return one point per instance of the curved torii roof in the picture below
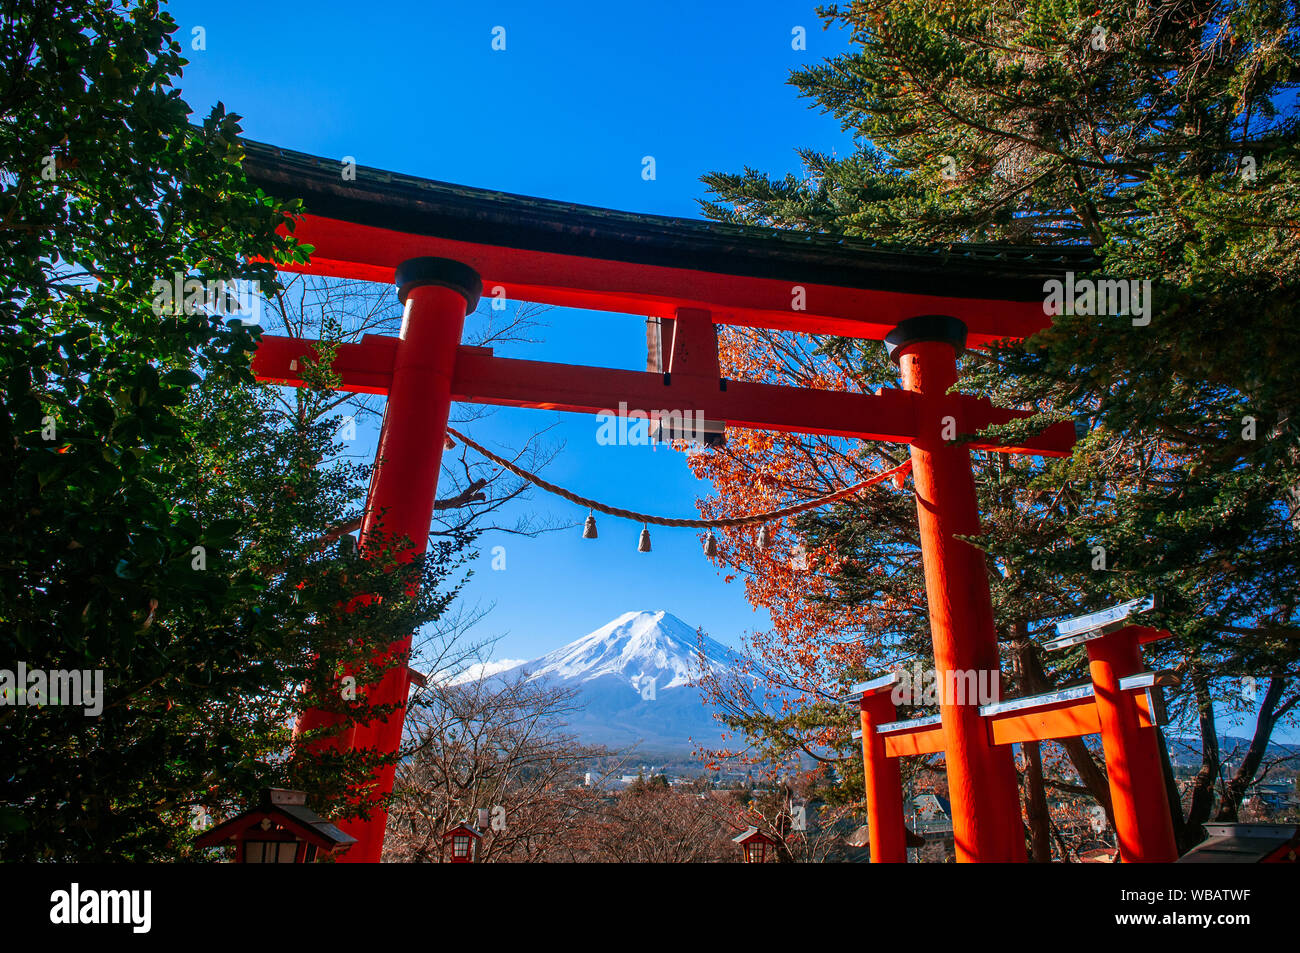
(586, 257)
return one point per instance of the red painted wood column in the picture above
(437, 294)
(883, 781)
(315, 718)
(1143, 826)
(981, 777)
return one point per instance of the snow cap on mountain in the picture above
(636, 681)
(635, 646)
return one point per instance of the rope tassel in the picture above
(710, 545)
(644, 545)
(589, 528)
(764, 537)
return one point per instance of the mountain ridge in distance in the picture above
(633, 680)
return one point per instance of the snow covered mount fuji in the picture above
(634, 676)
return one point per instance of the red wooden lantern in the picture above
(464, 842)
(753, 845)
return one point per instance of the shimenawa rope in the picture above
(750, 520)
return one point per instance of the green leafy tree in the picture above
(159, 522)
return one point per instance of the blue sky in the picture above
(567, 111)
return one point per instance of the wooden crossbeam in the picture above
(481, 377)
(1068, 719)
(365, 367)
(1067, 713)
(1107, 622)
(917, 736)
(885, 682)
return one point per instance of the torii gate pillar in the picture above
(981, 777)
(885, 824)
(1144, 826)
(437, 293)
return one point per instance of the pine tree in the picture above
(159, 523)
(1165, 137)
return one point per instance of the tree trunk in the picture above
(1172, 793)
(1189, 833)
(1090, 773)
(1268, 716)
(1034, 681)
(1036, 813)
(1040, 833)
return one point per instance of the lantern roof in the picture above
(752, 834)
(285, 809)
(464, 827)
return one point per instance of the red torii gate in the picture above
(435, 241)
(1122, 703)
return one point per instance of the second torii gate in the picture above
(1122, 703)
(441, 244)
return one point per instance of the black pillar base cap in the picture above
(926, 327)
(444, 272)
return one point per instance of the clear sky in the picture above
(580, 94)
